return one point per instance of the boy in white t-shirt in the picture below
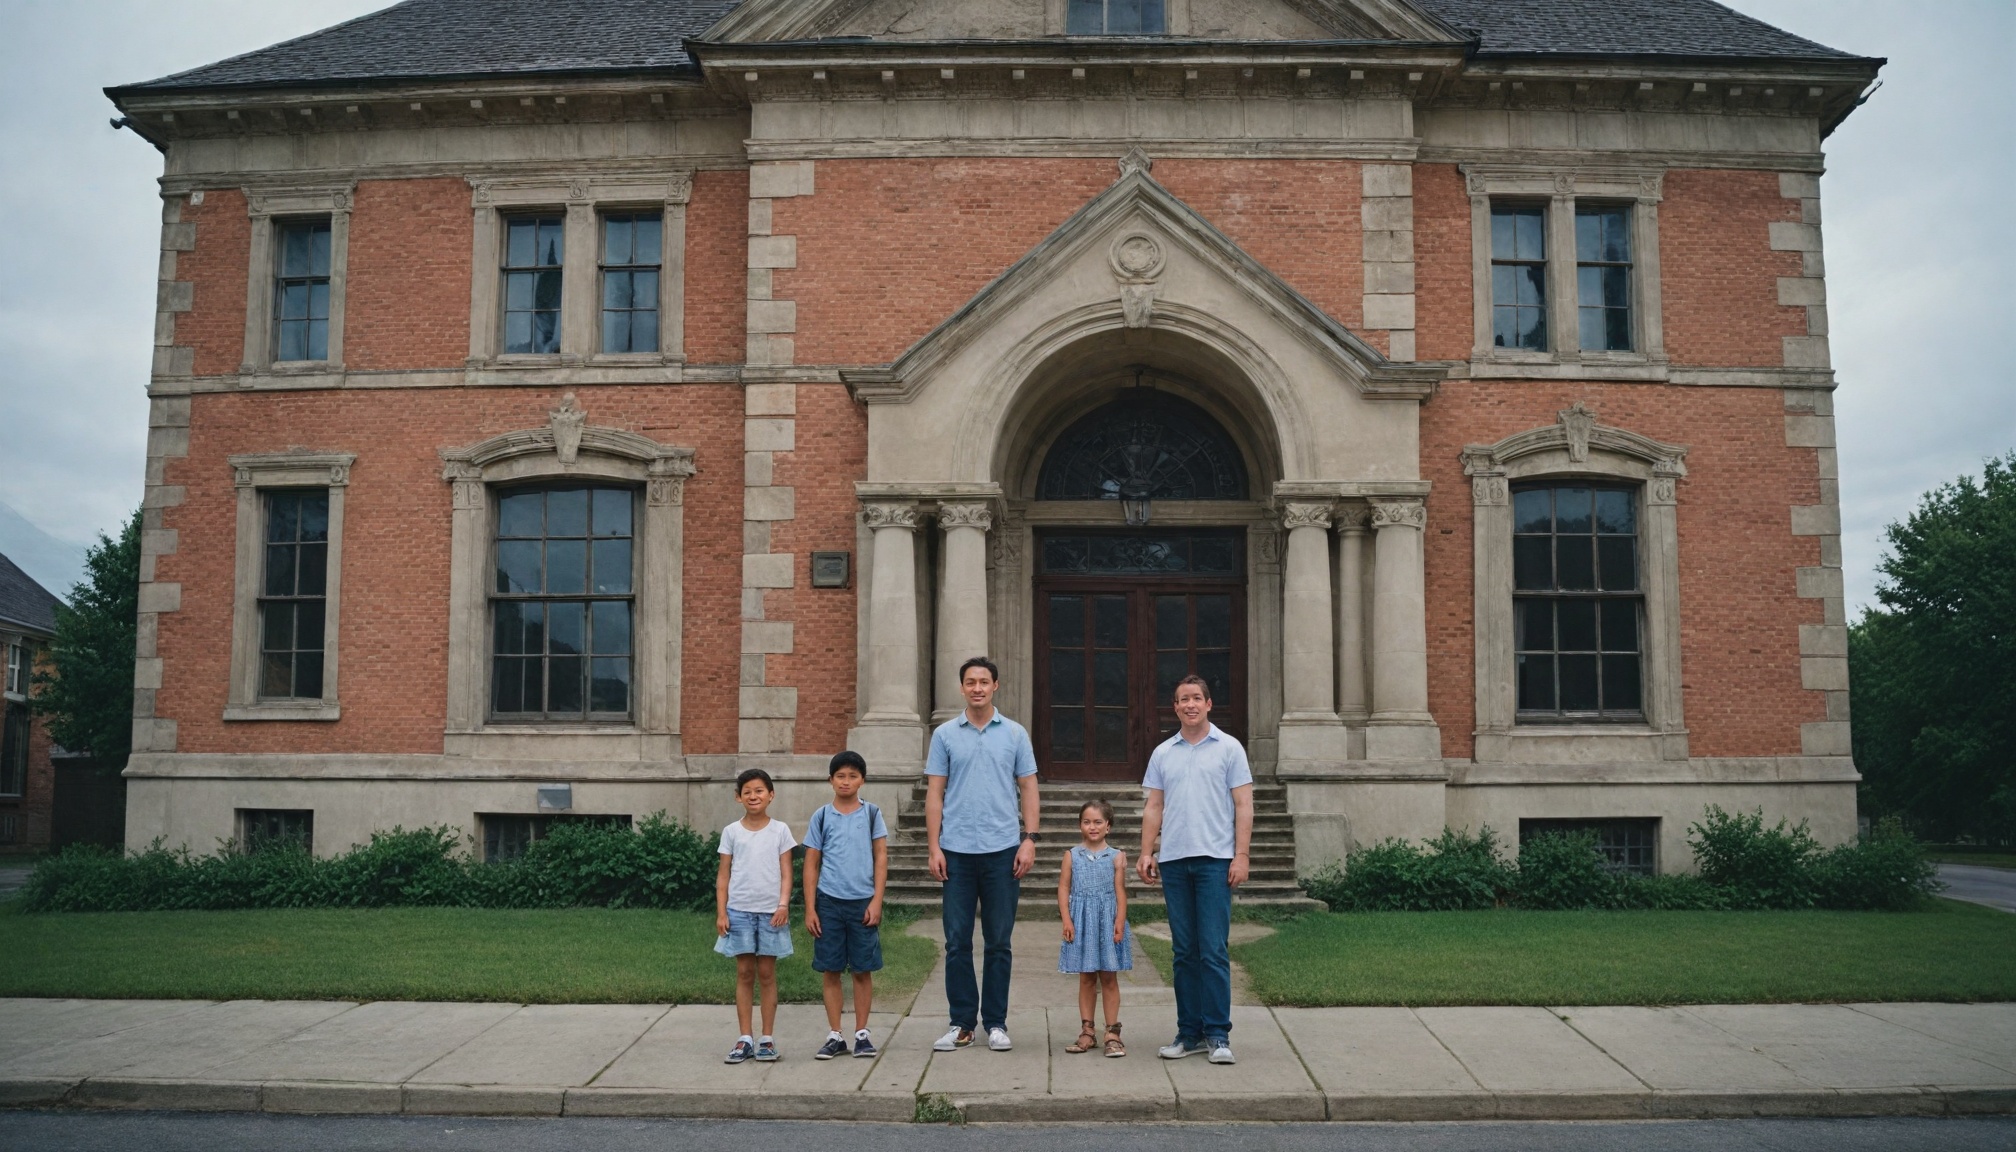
(752, 908)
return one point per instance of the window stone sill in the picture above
(1580, 744)
(286, 712)
(1549, 368)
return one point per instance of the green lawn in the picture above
(1954, 952)
(592, 955)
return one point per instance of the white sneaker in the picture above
(956, 1038)
(997, 1039)
(1221, 1053)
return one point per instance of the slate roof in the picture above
(433, 39)
(24, 602)
(1620, 27)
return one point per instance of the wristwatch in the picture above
(1032, 837)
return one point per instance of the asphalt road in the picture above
(1995, 887)
(196, 1132)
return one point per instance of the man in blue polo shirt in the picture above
(1197, 833)
(980, 819)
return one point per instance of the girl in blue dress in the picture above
(1098, 945)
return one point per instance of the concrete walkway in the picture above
(1995, 887)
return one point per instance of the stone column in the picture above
(1310, 729)
(891, 730)
(962, 599)
(1353, 702)
(1401, 727)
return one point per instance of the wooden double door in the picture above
(1110, 649)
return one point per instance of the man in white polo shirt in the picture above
(1197, 833)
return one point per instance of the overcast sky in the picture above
(1920, 243)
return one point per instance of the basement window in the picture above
(1630, 846)
(261, 829)
(506, 837)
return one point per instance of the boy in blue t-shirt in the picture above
(846, 870)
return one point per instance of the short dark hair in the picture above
(1103, 808)
(993, 673)
(847, 759)
(1203, 685)
(749, 774)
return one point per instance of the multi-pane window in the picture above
(506, 837)
(631, 255)
(260, 829)
(1114, 18)
(17, 669)
(293, 592)
(1519, 277)
(1603, 276)
(1577, 603)
(562, 604)
(301, 292)
(533, 247)
(1625, 845)
(14, 748)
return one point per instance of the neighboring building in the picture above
(27, 775)
(616, 395)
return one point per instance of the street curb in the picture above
(340, 1098)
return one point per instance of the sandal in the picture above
(1086, 1041)
(1113, 1045)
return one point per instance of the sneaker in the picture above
(957, 1038)
(864, 1048)
(1180, 1048)
(834, 1046)
(744, 1049)
(1221, 1051)
(997, 1039)
(766, 1050)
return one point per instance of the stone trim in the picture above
(583, 196)
(174, 296)
(1561, 187)
(265, 206)
(1823, 647)
(772, 322)
(253, 475)
(767, 714)
(571, 448)
(167, 439)
(1388, 213)
(1809, 288)
(1576, 446)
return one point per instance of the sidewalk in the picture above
(1294, 1063)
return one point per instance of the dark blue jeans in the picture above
(1200, 923)
(985, 879)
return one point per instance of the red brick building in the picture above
(27, 774)
(569, 404)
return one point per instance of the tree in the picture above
(87, 689)
(1933, 671)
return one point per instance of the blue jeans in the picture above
(986, 879)
(1200, 923)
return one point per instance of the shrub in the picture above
(659, 865)
(1564, 870)
(1452, 872)
(1887, 871)
(1757, 867)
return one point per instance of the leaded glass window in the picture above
(532, 251)
(1519, 277)
(1603, 276)
(562, 604)
(631, 246)
(1146, 445)
(1578, 604)
(293, 594)
(1114, 18)
(301, 291)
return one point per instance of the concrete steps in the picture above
(1272, 879)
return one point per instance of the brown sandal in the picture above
(1087, 1039)
(1113, 1045)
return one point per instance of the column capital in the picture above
(1298, 514)
(889, 514)
(952, 516)
(1399, 512)
(1351, 519)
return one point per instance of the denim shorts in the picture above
(844, 942)
(751, 932)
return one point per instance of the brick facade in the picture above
(409, 275)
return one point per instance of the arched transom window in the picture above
(1146, 445)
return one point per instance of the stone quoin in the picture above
(1445, 381)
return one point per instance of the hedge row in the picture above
(1740, 865)
(659, 864)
